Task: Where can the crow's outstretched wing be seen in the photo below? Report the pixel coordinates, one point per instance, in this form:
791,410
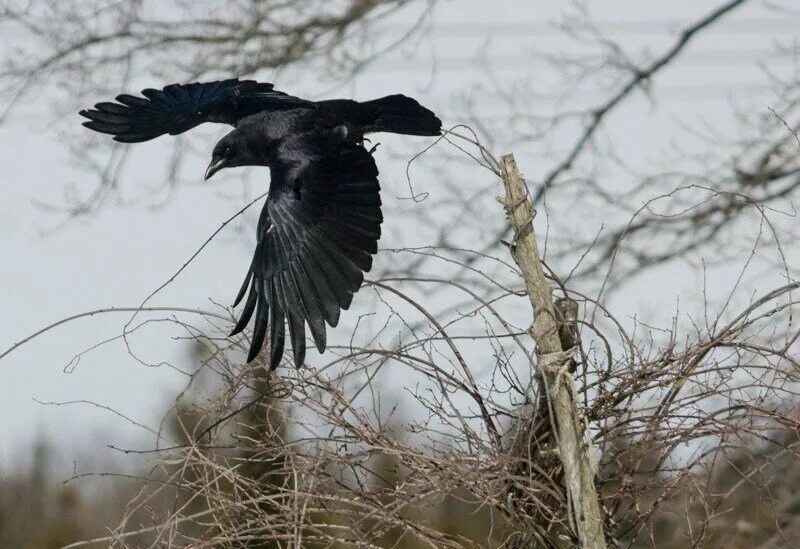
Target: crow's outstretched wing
316,236
180,107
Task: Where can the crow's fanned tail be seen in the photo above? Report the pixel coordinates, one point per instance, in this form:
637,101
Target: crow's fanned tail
180,107
317,232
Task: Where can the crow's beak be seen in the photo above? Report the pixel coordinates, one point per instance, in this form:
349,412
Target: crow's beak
214,167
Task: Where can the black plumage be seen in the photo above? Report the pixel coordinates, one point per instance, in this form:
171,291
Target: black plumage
178,108
322,218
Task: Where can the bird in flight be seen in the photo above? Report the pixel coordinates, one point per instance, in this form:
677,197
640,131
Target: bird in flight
322,218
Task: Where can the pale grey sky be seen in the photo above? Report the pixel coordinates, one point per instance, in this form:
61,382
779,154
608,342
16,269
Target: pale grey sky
121,254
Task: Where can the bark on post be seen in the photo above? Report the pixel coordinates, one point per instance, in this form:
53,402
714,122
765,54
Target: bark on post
554,364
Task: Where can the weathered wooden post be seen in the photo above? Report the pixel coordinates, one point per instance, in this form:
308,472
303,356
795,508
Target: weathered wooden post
554,364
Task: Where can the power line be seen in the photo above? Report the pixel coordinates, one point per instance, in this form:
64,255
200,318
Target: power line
474,29
698,59
661,94
541,28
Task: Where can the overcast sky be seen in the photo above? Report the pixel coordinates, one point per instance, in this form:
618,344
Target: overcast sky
118,256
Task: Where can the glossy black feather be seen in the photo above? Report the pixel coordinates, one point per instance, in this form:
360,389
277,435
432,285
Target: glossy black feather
247,312
260,328
277,334
308,254
178,108
243,288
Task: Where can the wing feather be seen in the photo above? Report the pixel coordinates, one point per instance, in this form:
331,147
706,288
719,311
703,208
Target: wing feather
314,248
262,322
247,311
180,107
277,328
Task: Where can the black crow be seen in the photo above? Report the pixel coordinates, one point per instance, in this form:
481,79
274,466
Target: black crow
321,221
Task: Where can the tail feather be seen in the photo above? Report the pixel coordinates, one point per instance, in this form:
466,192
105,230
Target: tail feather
401,114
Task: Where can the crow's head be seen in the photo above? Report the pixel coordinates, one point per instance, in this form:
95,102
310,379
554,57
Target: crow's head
229,152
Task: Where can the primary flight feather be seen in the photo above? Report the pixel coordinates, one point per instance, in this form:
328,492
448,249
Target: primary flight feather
322,219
